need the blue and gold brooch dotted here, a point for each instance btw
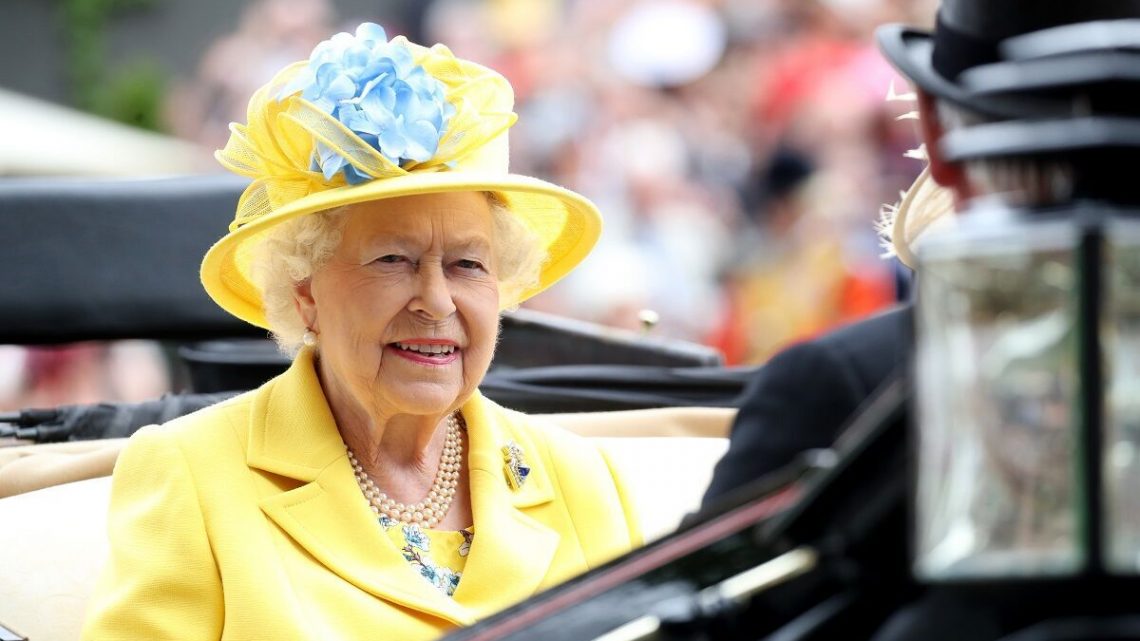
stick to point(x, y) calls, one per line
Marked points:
point(515, 465)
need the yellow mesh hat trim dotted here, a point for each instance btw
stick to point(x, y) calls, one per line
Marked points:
point(276, 145)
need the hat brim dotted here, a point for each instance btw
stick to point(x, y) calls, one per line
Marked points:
point(911, 52)
point(567, 223)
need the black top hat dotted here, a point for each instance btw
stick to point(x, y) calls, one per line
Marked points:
point(1024, 58)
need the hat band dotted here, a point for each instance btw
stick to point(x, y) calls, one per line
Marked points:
point(956, 51)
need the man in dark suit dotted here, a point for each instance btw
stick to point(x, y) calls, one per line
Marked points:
point(804, 396)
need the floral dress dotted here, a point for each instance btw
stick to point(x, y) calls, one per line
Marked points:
point(437, 555)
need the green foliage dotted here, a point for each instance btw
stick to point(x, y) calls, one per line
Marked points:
point(131, 95)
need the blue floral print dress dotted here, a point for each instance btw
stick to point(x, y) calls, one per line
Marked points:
point(437, 555)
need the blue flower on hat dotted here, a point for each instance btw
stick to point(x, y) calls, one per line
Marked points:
point(374, 88)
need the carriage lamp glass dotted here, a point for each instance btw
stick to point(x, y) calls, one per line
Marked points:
point(1120, 336)
point(996, 396)
point(1027, 396)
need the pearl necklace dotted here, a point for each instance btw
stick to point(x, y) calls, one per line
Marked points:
point(432, 509)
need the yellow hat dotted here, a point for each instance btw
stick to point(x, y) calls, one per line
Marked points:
point(366, 119)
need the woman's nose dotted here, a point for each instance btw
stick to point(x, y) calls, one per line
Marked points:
point(432, 296)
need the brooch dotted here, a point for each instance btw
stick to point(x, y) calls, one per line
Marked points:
point(515, 464)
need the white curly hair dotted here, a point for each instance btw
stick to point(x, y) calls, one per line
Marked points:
point(293, 251)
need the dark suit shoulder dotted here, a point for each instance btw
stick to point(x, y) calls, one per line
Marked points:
point(855, 358)
point(801, 398)
point(871, 349)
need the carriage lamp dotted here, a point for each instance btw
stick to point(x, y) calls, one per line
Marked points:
point(1027, 395)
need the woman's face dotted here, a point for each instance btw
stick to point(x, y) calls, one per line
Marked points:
point(407, 308)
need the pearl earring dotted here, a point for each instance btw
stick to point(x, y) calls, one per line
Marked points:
point(309, 338)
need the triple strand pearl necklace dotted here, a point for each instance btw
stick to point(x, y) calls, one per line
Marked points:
point(432, 509)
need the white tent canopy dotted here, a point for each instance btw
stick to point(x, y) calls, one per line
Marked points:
point(39, 138)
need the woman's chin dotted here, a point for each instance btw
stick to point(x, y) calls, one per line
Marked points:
point(426, 398)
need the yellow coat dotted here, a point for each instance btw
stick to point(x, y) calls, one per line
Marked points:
point(244, 521)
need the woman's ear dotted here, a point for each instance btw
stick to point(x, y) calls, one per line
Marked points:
point(305, 304)
point(944, 173)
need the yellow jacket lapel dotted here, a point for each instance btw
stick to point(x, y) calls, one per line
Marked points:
point(320, 517)
point(291, 429)
point(511, 552)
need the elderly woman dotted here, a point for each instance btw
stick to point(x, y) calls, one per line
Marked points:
point(370, 491)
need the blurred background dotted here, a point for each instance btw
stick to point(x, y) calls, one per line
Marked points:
point(740, 150)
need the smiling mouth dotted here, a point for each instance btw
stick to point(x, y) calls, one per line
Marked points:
point(426, 349)
point(430, 354)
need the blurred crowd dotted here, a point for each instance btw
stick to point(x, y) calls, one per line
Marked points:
point(740, 150)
